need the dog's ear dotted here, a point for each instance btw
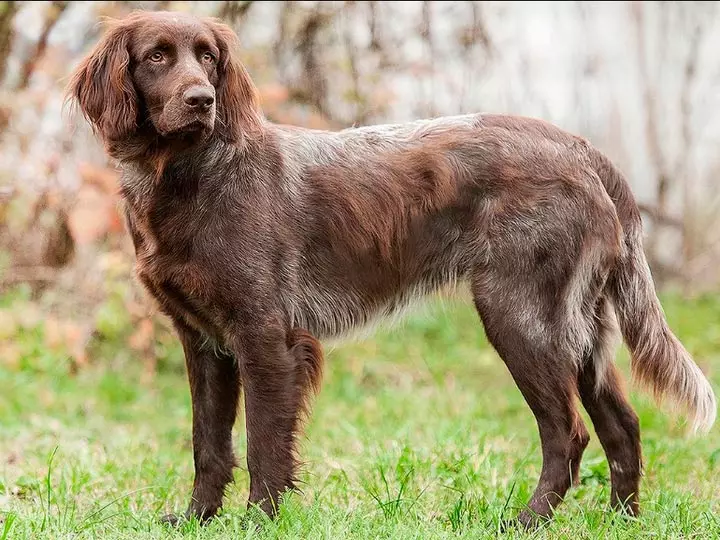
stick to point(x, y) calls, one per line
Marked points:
point(101, 86)
point(238, 104)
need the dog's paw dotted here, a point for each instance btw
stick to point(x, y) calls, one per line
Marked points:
point(173, 520)
point(525, 521)
point(192, 515)
point(186, 518)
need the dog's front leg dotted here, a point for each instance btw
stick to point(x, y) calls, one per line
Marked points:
point(278, 370)
point(215, 390)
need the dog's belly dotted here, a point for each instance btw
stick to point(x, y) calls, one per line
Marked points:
point(352, 306)
point(338, 315)
point(340, 291)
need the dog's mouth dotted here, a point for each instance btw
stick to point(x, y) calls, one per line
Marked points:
point(197, 126)
point(194, 126)
point(173, 122)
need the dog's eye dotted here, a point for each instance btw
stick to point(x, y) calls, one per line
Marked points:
point(157, 57)
point(208, 57)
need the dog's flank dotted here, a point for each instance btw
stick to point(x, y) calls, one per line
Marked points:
point(261, 239)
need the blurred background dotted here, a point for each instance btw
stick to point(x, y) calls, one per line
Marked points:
point(641, 80)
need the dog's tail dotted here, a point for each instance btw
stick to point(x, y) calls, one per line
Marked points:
point(658, 360)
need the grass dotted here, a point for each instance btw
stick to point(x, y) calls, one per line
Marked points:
point(418, 433)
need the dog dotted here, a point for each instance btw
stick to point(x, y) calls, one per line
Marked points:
point(260, 240)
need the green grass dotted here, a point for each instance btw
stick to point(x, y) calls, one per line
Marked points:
point(418, 433)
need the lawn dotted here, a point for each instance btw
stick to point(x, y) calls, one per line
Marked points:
point(418, 433)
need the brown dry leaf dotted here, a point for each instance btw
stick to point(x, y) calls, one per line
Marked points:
point(306, 119)
point(142, 341)
point(69, 336)
point(54, 335)
point(382, 97)
point(10, 354)
point(29, 316)
point(53, 63)
point(77, 337)
point(104, 178)
point(142, 338)
point(8, 325)
point(93, 216)
point(272, 95)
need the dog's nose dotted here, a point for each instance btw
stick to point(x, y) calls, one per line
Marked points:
point(199, 97)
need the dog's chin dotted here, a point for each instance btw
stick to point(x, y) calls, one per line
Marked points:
point(197, 129)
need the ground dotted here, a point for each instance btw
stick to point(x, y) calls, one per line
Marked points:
point(418, 433)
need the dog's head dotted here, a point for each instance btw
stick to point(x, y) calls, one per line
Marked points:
point(169, 75)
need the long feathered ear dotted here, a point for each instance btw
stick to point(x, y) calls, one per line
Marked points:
point(102, 87)
point(238, 104)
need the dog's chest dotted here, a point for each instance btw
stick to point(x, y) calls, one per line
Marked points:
point(174, 274)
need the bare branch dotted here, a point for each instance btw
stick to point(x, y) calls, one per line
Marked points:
point(477, 31)
point(53, 14)
point(360, 110)
point(234, 12)
point(651, 129)
point(372, 21)
point(282, 35)
point(426, 32)
point(690, 73)
point(660, 218)
point(7, 16)
point(307, 46)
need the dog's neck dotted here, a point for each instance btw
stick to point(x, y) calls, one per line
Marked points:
point(175, 164)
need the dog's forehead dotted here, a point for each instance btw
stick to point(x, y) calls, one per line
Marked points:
point(173, 17)
point(179, 26)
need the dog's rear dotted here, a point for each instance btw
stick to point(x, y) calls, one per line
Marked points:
point(658, 359)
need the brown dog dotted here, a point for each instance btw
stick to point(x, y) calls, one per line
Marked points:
point(258, 239)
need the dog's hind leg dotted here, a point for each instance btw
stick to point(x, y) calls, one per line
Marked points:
point(613, 418)
point(514, 312)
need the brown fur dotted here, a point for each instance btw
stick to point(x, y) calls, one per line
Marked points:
point(258, 240)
